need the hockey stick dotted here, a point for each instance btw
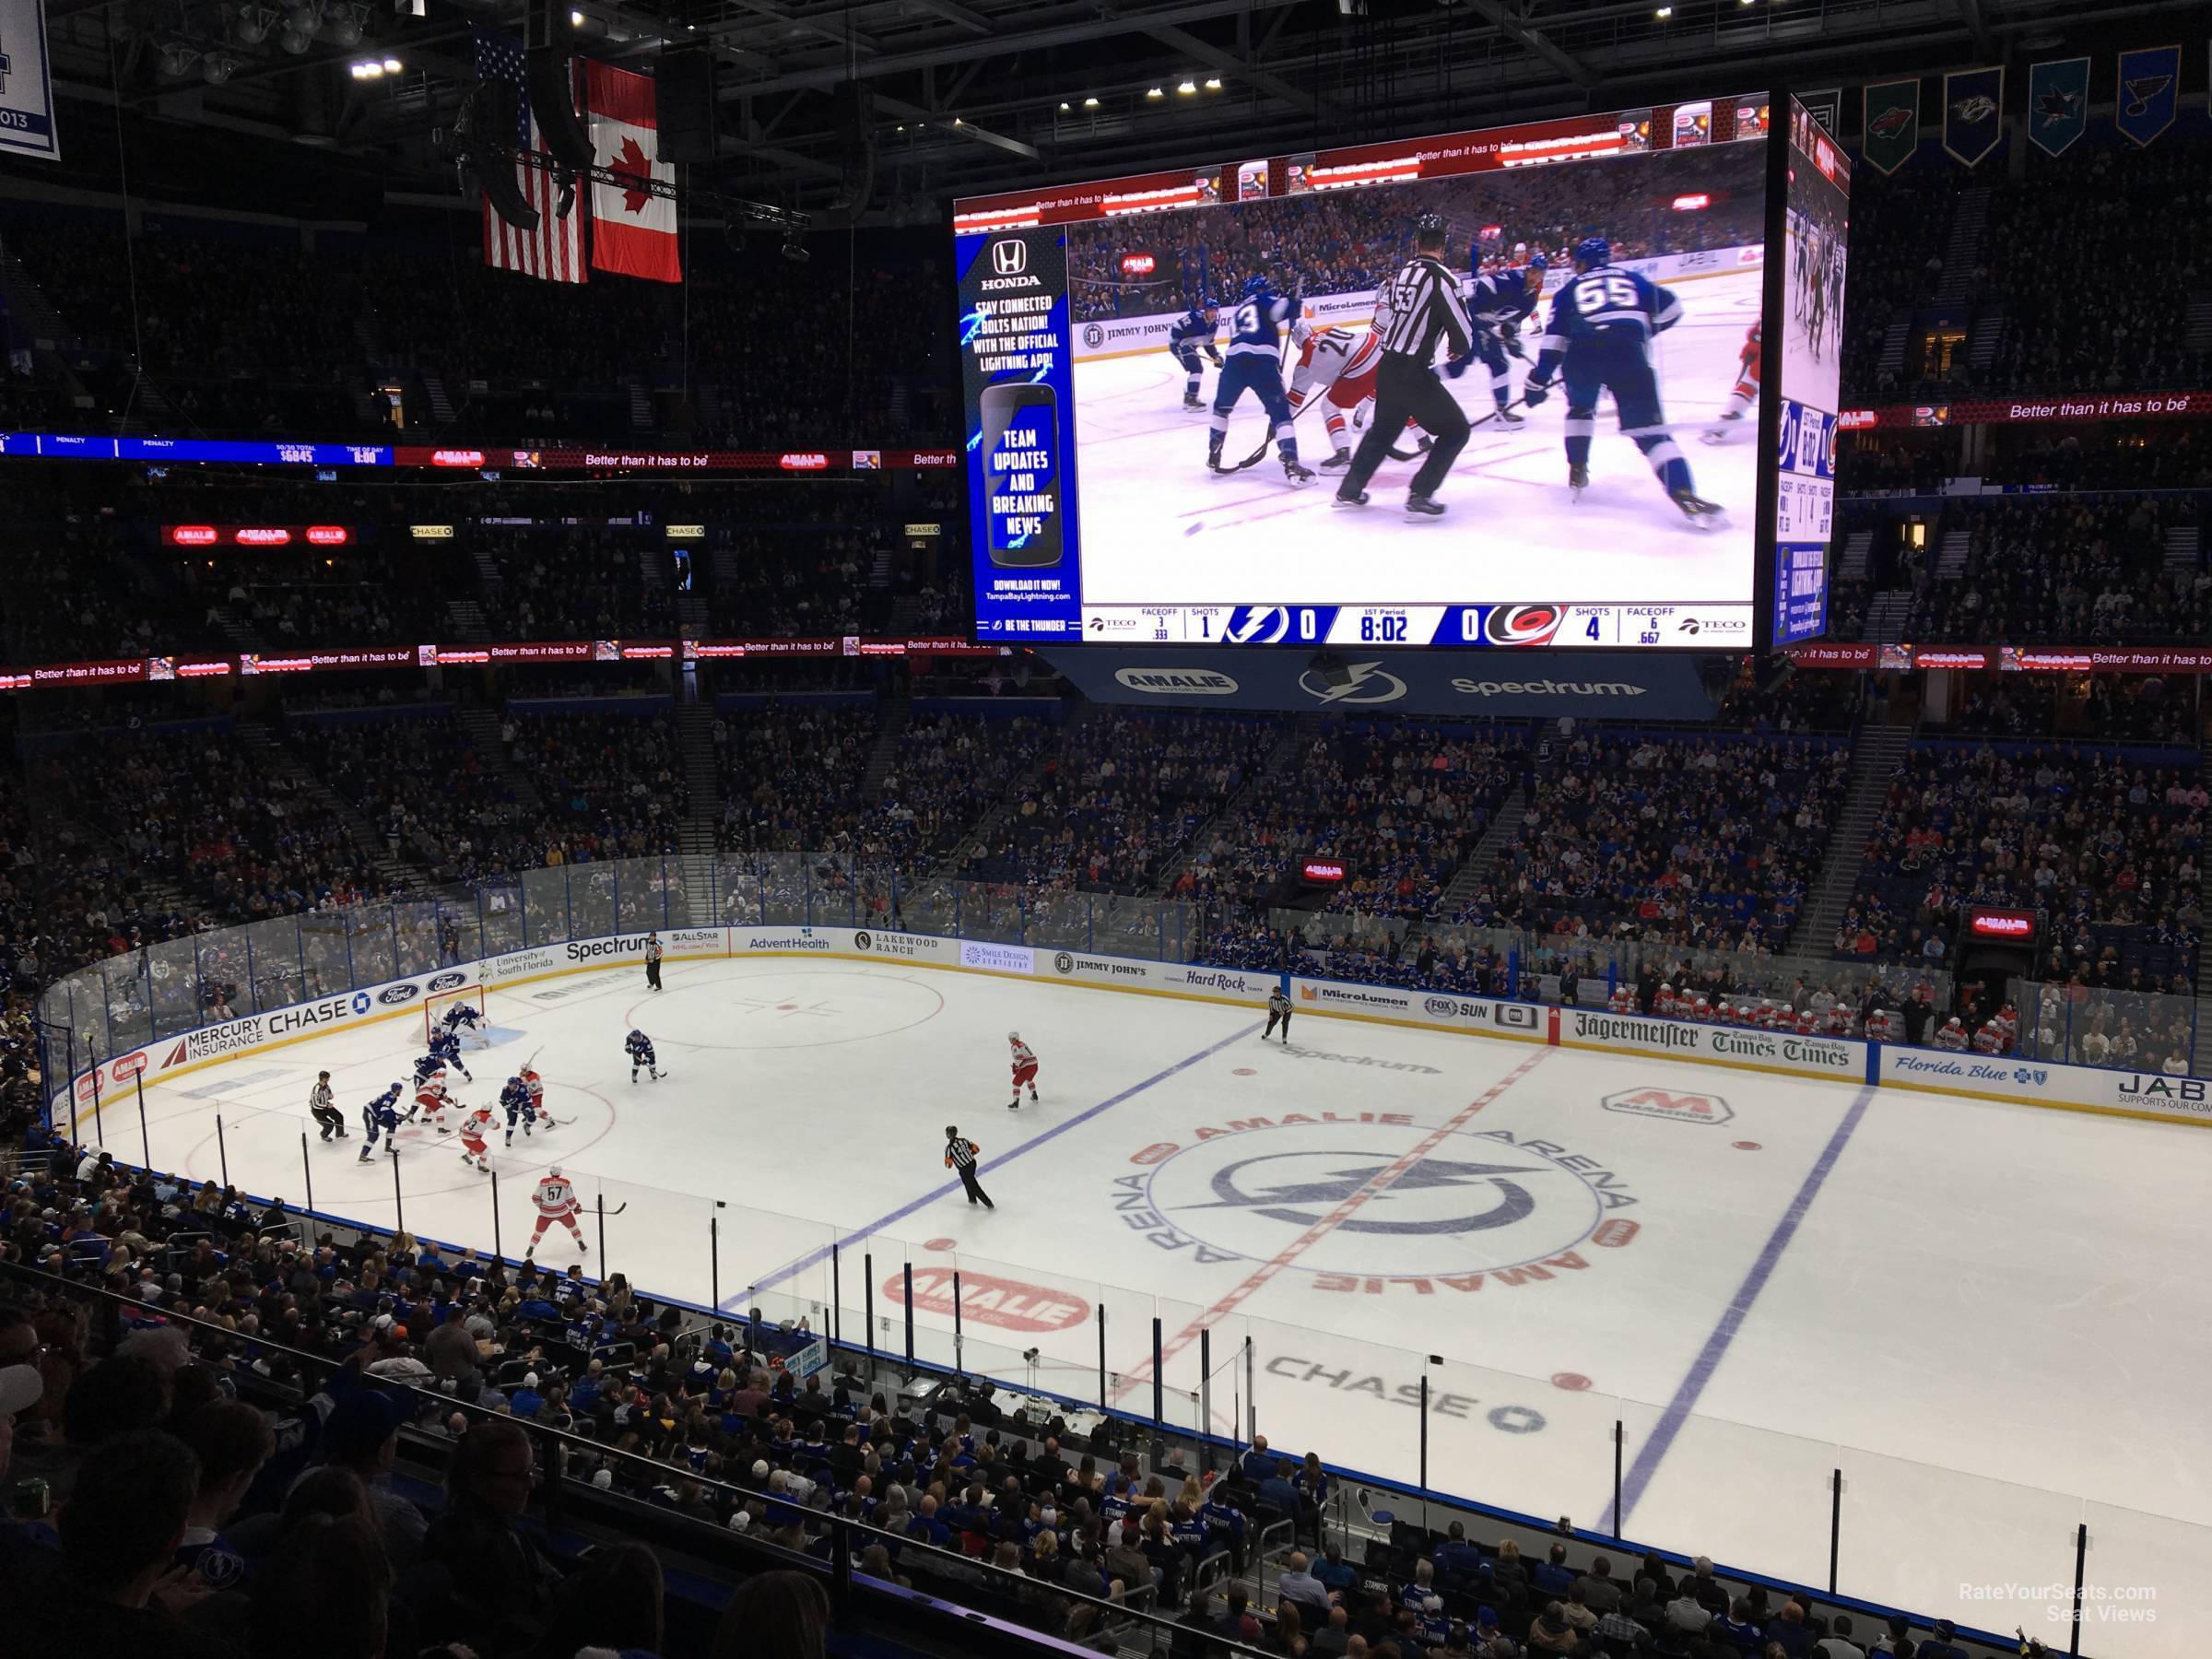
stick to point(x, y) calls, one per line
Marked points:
point(1399, 455)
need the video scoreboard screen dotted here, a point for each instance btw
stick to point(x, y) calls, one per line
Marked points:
point(1817, 220)
point(1111, 332)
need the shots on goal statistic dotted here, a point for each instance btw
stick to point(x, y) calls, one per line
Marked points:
point(1168, 374)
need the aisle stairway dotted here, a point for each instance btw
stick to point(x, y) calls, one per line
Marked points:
point(399, 873)
point(1873, 757)
point(482, 725)
point(702, 813)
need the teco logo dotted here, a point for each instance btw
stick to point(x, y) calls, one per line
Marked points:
point(810, 461)
point(1009, 258)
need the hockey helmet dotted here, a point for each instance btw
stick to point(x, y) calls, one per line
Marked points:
point(1256, 285)
point(552, 1169)
point(1012, 1036)
point(1593, 252)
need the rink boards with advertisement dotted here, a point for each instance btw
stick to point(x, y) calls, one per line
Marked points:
point(1847, 1060)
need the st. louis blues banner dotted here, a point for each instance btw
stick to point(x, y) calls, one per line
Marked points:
point(25, 86)
point(1892, 131)
point(2058, 103)
point(1973, 112)
point(2150, 78)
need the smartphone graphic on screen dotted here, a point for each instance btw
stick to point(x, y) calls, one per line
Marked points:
point(1021, 474)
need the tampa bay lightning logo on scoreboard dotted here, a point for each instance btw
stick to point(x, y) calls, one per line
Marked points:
point(1279, 624)
point(1808, 441)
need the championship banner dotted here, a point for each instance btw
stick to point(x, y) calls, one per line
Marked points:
point(1827, 107)
point(2150, 78)
point(1892, 129)
point(2058, 103)
point(1973, 112)
point(25, 83)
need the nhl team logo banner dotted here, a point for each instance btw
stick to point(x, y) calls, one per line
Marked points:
point(2058, 103)
point(26, 85)
point(1827, 107)
point(1892, 131)
point(1973, 112)
point(2150, 79)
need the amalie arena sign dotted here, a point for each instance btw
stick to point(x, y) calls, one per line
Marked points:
point(2122, 1094)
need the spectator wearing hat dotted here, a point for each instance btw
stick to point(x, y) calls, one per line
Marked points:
point(1940, 1646)
point(362, 1437)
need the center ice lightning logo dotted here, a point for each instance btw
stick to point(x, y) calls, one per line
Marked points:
point(1371, 683)
point(1366, 1200)
point(1274, 1185)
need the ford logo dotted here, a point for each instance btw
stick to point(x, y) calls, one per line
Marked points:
point(396, 993)
point(447, 981)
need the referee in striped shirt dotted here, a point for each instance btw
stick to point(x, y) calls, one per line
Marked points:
point(1419, 309)
point(961, 1155)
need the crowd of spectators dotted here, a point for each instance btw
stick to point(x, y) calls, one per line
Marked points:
point(2105, 850)
point(2144, 709)
point(1119, 797)
point(793, 776)
point(2078, 570)
point(1704, 841)
point(576, 582)
point(1397, 804)
point(613, 784)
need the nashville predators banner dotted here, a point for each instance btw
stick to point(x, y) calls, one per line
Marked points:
point(1973, 112)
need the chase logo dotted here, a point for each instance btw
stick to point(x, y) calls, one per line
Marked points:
point(361, 1001)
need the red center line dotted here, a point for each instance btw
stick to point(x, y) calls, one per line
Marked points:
point(1374, 1186)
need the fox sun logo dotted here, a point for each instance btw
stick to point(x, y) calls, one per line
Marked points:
point(1477, 1208)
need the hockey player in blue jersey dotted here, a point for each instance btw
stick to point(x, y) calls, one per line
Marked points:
point(381, 1117)
point(1600, 340)
point(445, 1045)
point(1255, 364)
point(1498, 303)
point(1191, 334)
point(429, 1067)
point(520, 1108)
point(640, 1054)
point(463, 1016)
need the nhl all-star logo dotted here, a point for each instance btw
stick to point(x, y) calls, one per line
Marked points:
point(1380, 1200)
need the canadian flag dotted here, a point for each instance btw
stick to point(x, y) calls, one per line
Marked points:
point(634, 229)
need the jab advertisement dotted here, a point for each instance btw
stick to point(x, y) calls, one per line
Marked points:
point(1171, 388)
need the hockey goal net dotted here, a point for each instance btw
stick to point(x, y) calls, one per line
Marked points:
point(436, 1004)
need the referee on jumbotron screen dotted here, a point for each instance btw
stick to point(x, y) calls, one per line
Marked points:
point(1420, 308)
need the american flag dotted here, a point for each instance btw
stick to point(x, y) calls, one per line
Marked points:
point(555, 250)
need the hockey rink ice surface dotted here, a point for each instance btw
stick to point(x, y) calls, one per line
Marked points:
point(1973, 1309)
point(1183, 535)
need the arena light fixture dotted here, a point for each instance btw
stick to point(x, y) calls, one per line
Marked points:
point(1186, 89)
point(392, 65)
point(1090, 103)
point(217, 67)
point(1064, 105)
point(1154, 93)
point(176, 58)
point(1665, 12)
point(1212, 83)
point(253, 25)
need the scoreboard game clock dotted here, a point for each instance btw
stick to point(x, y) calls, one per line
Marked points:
point(1097, 518)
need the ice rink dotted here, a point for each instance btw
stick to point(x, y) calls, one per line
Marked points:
point(1180, 535)
point(1973, 1309)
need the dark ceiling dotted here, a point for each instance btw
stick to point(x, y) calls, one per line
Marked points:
point(966, 96)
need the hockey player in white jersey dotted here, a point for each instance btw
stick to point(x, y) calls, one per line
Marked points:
point(1744, 397)
point(556, 1201)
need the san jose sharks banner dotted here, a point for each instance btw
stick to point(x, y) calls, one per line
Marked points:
point(2150, 79)
point(1892, 131)
point(1973, 112)
point(26, 84)
point(2058, 103)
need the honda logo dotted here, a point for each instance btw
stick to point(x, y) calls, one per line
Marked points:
point(1009, 258)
